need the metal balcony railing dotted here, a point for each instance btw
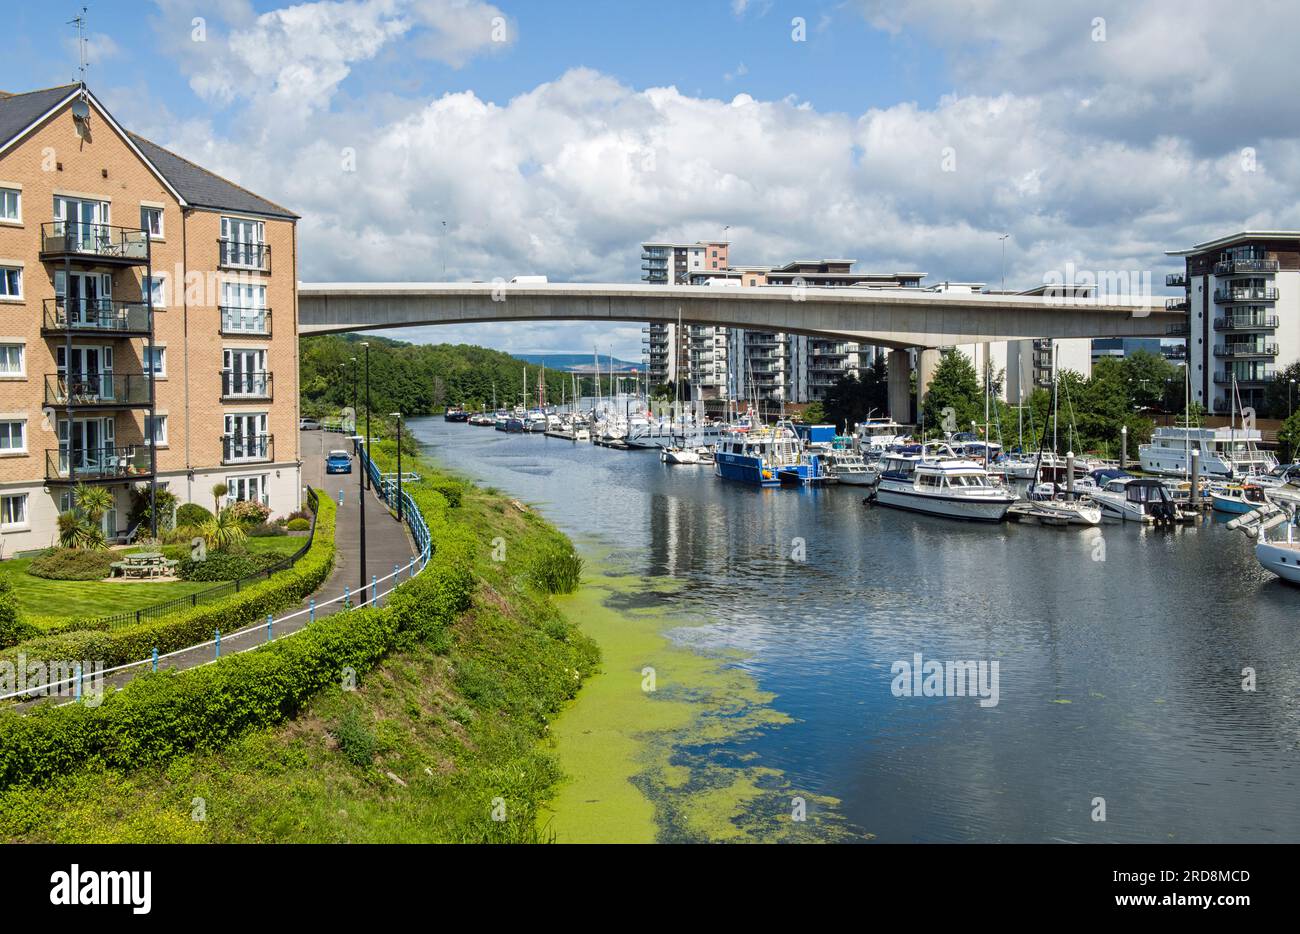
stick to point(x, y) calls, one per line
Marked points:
point(98, 316)
point(1245, 322)
point(97, 463)
point(1177, 330)
point(1232, 267)
point(1245, 379)
point(1245, 295)
point(1245, 350)
point(103, 390)
point(103, 242)
point(237, 254)
point(246, 384)
point(1176, 280)
point(1176, 304)
point(250, 322)
point(240, 449)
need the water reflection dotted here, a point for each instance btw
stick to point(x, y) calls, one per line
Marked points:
point(1119, 678)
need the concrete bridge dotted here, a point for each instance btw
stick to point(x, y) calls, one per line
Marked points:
point(897, 318)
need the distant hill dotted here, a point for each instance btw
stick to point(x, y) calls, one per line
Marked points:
point(565, 361)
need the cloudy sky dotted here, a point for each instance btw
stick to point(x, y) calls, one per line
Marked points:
point(552, 138)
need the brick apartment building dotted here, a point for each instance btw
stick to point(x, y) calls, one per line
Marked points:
point(137, 344)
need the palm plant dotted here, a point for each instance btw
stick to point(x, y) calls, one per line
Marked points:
point(218, 490)
point(92, 502)
point(222, 531)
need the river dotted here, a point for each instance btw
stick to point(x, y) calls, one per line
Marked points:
point(1120, 650)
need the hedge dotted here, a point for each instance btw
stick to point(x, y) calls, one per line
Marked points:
point(159, 716)
point(197, 624)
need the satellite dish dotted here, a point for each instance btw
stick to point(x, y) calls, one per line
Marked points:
point(80, 109)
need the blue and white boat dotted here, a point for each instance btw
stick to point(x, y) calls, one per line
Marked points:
point(765, 457)
point(1237, 499)
point(931, 479)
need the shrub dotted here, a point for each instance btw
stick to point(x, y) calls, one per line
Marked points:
point(223, 531)
point(248, 512)
point(192, 514)
point(298, 524)
point(558, 570)
point(355, 740)
point(72, 564)
point(225, 566)
point(13, 629)
point(264, 530)
point(165, 502)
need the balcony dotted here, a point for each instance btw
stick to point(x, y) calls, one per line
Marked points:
point(100, 244)
point(98, 390)
point(1176, 304)
point(1177, 330)
point(245, 385)
point(236, 254)
point(1245, 350)
point(97, 464)
point(97, 317)
point(1222, 296)
point(1233, 267)
point(1176, 280)
point(247, 449)
point(1245, 322)
point(1251, 379)
point(245, 322)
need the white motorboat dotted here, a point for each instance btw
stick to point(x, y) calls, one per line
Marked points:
point(850, 469)
point(931, 480)
point(1282, 556)
point(1053, 506)
point(1138, 499)
point(875, 436)
point(686, 455)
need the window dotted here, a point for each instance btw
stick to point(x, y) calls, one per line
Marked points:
point(155, 430)
point(13, 437)
point(13, 509)
point(250, 488)
point(11, 282)
point(151, 220)
point(155, 360)
point(11, 360)
point(11, 204)
point(154, 288)
point(243, 308)
point(243, 243)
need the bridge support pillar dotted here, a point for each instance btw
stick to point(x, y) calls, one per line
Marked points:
point(899, 369)
point(927, 360)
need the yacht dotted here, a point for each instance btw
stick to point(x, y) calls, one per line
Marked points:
point(1281, 556)
point(875, 436)
point(760, 456)
point(848, 468)
point(1231, 453)
point(1138, 499)
point(933, 480)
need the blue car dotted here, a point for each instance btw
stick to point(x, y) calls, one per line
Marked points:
point(338, 462)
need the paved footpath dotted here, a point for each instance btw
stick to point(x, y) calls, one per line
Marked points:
point(388, 543)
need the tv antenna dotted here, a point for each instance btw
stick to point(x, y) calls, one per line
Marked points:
point(80, 22)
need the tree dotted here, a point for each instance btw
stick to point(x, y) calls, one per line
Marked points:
point(1288, 437)
point(1281, 398)
point(1148, 379)
point(856, 397)
point(815, 414)
point(218, 490)
point(955, 398)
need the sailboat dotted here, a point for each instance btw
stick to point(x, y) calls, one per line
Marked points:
point(1049, 504)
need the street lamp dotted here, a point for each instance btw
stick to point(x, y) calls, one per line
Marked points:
point(361, 501)
point(398, 416)
point(1290, 388)
point(366, 345)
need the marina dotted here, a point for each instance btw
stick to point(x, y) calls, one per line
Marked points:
point(1103, 674)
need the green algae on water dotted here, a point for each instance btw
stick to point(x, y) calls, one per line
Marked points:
point(640, 744)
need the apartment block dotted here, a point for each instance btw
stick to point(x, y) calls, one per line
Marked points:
point(138, 350)
point(666, 350)
point(1241, 293)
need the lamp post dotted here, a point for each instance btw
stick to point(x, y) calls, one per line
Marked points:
point(398, 416)
point(366, 345)
point(361, 504)
point(1290, 388)
point(354, 394)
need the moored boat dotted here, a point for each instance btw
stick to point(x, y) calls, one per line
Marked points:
point(931, 479)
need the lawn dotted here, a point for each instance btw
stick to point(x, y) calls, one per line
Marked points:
point(47, 602)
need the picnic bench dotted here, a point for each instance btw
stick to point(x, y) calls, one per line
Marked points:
point(143, 565)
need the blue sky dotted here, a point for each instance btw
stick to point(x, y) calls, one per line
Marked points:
point(907, 134)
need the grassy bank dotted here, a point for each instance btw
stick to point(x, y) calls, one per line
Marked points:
point(439, 741)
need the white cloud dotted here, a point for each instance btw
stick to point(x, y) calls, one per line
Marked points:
point(568, 178)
